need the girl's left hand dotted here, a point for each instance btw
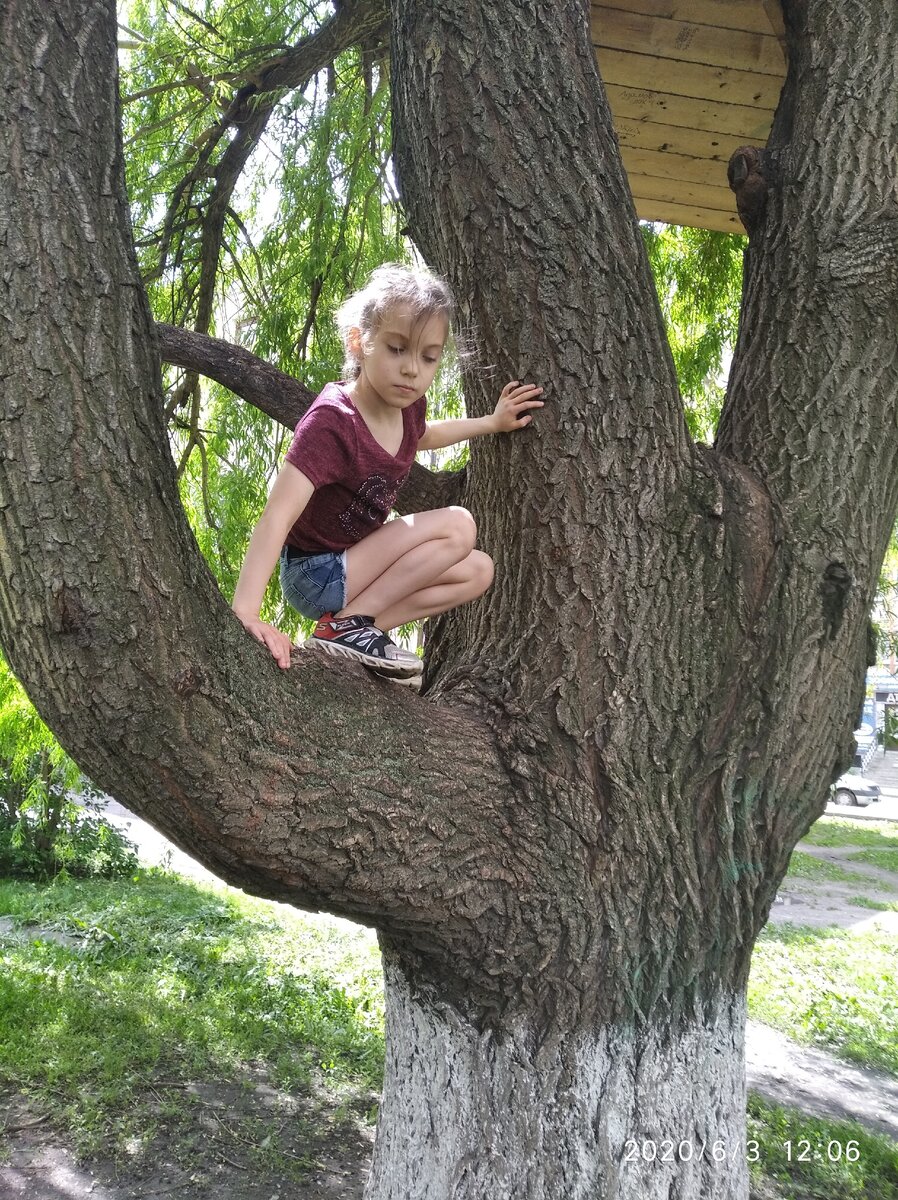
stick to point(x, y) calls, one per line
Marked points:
point(514, 401)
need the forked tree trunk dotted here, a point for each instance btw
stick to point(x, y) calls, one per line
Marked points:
point(571, 841)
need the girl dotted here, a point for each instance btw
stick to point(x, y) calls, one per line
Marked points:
point(342, 563)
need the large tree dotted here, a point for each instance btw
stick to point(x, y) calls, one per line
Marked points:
point(569, 844)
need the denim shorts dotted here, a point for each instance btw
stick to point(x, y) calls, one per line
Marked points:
point(314, 584)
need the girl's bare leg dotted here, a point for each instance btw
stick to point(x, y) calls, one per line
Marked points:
point(465, 581)
point(404, 557)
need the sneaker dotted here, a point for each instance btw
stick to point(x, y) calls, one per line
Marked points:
point(359, 638)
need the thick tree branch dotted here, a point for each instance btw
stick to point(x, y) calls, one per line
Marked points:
point(813, 395)
point(516, 192)
point(354, 22)
point(285, 399)
point(545, 197)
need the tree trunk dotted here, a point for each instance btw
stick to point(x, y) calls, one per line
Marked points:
point(617, 1111)
point(570, 843)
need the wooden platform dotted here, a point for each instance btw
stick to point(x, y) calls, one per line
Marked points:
point(688, 82)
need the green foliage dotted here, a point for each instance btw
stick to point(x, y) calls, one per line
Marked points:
point(698, 276)
point(48, 821)
point(310, 216)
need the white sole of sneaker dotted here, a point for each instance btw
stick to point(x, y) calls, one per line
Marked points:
point(386, 666)
point(412, 681)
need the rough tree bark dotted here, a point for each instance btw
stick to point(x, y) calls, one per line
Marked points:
point(570, 843)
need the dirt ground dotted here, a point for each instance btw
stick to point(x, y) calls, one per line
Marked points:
point(826, 902)
point(328, 1151)
point(329, 1148)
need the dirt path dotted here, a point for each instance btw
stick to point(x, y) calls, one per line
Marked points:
point(822, 902)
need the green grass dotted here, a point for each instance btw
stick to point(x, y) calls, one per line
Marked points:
point(174, 981)
point(806, 866)
point(811, 1159)
point(866, 902)
point(886, 859)
point(835, 831)
point(830, 988)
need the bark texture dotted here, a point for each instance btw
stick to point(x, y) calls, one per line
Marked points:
point(570, 843)
point(608, 1112)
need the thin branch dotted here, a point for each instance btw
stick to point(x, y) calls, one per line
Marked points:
point(133, 33)
point(198, 81)
point(204, 480)
point(235, 217)
point(161, 124)
point(200, 20)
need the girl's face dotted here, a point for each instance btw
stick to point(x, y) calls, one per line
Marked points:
point(399, 362)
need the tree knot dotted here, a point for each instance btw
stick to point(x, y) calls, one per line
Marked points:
point(188, 681)
point(72, 618)
point(835, 587)
point(748, 174)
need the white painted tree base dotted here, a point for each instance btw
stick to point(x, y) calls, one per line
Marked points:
point(588, 1116)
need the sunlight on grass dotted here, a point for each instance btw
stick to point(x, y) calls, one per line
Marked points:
point(831, 988)
point(879, 905)
point(836, 831)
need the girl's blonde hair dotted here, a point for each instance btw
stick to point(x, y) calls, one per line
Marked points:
point(389, 287)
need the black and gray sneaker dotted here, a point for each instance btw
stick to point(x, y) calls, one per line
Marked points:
point(359, 638)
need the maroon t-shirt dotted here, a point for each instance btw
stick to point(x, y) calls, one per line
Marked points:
point(356, 480)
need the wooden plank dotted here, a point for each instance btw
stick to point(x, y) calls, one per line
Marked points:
point(677, 191)
point(666, 139)
point(686, 214)
point(646, 71)
point(687, 42)
point(705, 171)
point(644, 104)
point(749, 16)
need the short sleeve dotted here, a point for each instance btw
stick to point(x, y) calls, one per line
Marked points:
point(419, 412)
point(318, 449)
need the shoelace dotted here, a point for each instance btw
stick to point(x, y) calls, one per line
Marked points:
point(362, 632)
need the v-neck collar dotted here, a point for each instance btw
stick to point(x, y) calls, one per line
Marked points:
point(370, 431)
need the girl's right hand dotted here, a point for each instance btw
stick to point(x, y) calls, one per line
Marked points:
point(278, 643)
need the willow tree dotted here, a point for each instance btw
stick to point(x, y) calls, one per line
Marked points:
point(569, 842)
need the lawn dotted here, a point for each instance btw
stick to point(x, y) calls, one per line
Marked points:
point(166, 986)
point(164, 980)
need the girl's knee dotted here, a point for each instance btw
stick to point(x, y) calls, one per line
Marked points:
point(460, 526)
point(484, 570)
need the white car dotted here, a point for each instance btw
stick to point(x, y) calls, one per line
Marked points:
point(854, 791)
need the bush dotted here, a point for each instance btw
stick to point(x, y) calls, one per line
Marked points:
point(49, 811)
point(84, 845)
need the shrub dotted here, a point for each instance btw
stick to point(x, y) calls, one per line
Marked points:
point(49, 811)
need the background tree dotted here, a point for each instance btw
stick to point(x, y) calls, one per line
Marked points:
point(569, 846)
